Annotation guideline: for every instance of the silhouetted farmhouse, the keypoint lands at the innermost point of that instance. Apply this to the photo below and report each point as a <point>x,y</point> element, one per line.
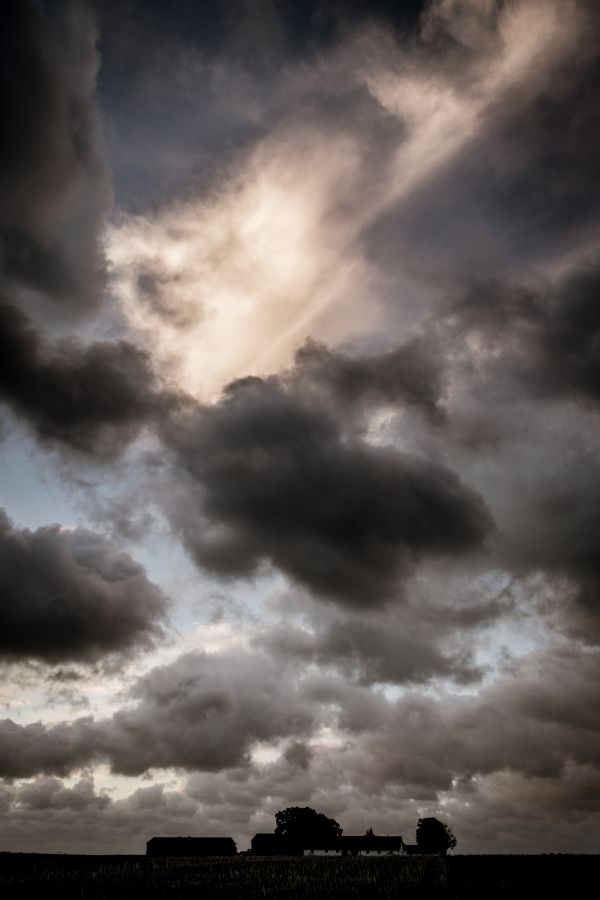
<point>191,846</point>
<point>357,845</point>
<point>348,845</point>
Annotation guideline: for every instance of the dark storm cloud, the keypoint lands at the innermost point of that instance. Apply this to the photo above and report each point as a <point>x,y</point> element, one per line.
<point>555,528</point>
<point>71,595</point>
<point>55,195</point>
<point>27,750</point>
<point>273,478</point>
<point>524,367</point>
<point>431,635</point>
<point>54,184</point>
<point>407,374</point>
<point>570,338</point>
<point>51,794</point>
<point>202,712</point>
<point>540,342</point>
<point>374,652</point>
<point>545,707</point>
<point>154,288</point>
<point>49,816</point>
<point>211,74</point>
<point>299,754</point>
<point>523,190</point>
<point>91,398</point>
<point>536,168</point>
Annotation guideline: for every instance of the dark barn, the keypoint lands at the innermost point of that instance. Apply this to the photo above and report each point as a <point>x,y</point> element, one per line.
<point>269,844</point>
<point>191,846</point>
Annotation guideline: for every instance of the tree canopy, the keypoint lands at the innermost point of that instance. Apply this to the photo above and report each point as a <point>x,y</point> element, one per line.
<point>300,822</point>
<point>434,835</point>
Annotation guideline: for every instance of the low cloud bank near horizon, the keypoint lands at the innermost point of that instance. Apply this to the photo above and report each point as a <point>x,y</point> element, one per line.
<point>300,319</point>
<point>414,753</point>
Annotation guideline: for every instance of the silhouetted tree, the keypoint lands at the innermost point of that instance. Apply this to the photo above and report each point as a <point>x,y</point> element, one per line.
<point>302,822</point>
<point>369,832</point>
<point>434,835</point>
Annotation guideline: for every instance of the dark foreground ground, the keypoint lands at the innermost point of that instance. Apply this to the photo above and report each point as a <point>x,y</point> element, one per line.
<point>246,878</point>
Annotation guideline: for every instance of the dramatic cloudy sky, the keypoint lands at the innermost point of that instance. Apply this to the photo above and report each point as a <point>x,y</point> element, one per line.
<point>300,394</point>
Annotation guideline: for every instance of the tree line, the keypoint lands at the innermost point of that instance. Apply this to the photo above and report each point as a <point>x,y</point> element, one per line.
<point>303,824</point>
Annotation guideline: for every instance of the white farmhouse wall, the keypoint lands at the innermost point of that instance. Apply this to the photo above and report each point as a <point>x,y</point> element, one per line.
<point>359,853</point>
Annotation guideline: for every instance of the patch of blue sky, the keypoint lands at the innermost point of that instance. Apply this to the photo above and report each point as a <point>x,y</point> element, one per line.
<point>30,493</point>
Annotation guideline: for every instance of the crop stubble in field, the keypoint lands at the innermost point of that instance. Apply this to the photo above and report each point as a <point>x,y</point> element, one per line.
<point>253,878</point>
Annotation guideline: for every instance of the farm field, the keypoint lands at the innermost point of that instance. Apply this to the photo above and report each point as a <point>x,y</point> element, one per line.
<point>246,878</point>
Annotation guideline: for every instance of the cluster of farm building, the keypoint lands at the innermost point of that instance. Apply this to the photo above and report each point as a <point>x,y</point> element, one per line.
<point>276,845</point>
